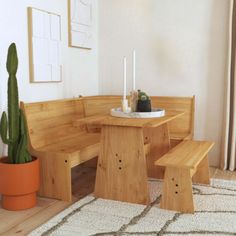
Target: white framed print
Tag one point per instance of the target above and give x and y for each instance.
(80, 23)
(44, 30)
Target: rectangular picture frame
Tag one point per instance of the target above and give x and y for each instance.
(44, 35)
(80, 23)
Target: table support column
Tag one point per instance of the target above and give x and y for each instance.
(121, 171)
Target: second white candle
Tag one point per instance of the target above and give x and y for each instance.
(134, 70)
(124, 92)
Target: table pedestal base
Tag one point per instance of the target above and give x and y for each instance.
(121, 171)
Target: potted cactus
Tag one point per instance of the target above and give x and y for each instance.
(19, 172)
(144, 102)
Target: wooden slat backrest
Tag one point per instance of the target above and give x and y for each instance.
(179, 128)
(183, 125)
(47, 120)
(98, 105)
(51, 121)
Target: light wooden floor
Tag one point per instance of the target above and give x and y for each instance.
(23, 222)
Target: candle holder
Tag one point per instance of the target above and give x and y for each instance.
(125, 105)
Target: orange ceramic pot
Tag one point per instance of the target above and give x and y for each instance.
(19, 184)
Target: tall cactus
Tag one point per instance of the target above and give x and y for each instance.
(13, 130)
(22, 154)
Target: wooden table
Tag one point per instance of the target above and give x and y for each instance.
(123, 168)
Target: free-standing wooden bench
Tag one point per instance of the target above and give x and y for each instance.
(188, 159)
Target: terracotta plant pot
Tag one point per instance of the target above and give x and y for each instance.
(19, 184)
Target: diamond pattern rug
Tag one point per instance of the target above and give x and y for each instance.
(215, 214)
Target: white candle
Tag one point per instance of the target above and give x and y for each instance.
(134, 69)
(124, 92)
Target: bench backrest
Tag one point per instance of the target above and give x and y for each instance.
(51, 121)
(99, 105)
(184, 125)
(180, 127)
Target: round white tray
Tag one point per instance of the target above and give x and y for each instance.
(156, 112)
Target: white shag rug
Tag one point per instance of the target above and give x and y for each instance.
(215, 214)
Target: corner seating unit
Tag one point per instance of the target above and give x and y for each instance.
(60, 137)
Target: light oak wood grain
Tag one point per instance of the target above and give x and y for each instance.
(93, 123)
(182, 127)
(58, 143)
(201, 174)
(142, 122)
(121, 170)
(177, 191)
(185, 161)
(159, 141)
(100, 105)
(123, 156)
(188, 154)
(58, 132)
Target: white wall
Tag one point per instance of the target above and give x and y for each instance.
(79, 65)
(80, 74)
(181, 50)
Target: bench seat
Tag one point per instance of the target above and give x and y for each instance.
(187, 154)
(74, 145)
(187, 160)
(76, 150)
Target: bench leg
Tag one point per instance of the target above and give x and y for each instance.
(202, 175)
(177, 191)
(55, 177)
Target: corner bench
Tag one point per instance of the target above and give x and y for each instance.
(65, 133)
(187, 160)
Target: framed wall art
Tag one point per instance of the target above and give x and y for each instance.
(44, 30)
(80, 23)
